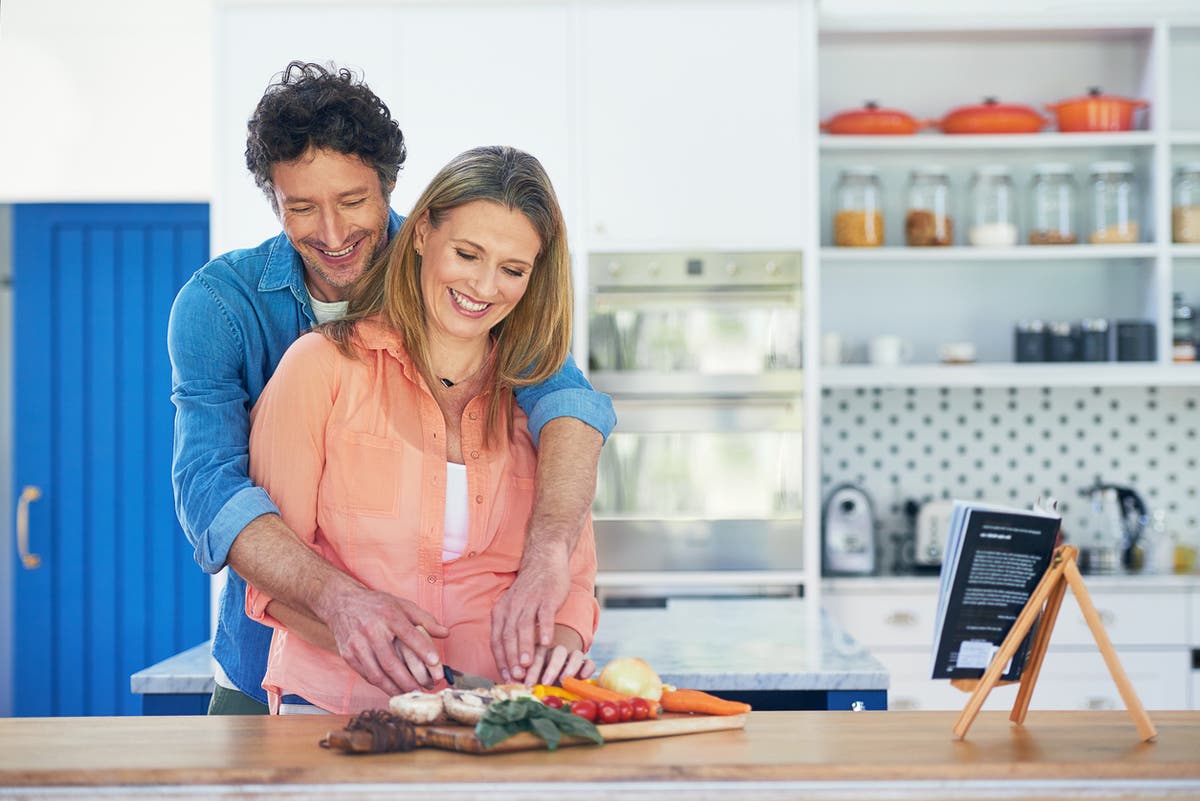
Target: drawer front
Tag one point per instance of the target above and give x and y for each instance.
(889, 621)
(1150, 618)
(1070, 680)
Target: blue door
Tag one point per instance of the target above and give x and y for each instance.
(105, 584)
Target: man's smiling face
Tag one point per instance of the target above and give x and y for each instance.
(333, 211)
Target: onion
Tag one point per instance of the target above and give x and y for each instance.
(631, 676)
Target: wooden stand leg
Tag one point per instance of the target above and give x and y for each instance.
(1009, 647)
(1145, 728)
(1037, 653)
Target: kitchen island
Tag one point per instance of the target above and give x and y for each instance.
(776, 653)
(779, 755)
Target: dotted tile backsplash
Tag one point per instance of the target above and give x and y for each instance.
(1010, 445)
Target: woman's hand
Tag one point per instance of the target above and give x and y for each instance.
(564, 657)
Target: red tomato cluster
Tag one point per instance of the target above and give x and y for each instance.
(604, 711)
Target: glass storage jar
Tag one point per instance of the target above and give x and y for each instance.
(993, 208)
(1052, 205)
(1114, 201)
(858, 209)
(1185, 210)
(928, 222)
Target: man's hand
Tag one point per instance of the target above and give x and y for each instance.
(566, 483)
(386, 640)
(527, 610)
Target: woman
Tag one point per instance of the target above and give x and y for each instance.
(391, 441)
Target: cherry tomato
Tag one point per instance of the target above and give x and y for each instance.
(607, 712)
(625, 708)
(641, 708)
(585, 708)
(553, 701)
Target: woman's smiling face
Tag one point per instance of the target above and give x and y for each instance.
(475, 268)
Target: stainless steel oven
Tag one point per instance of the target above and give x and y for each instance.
(702, 355)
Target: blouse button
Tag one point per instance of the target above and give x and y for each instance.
(469, 555)
(473, 416)
(474, 454)
(432, 579)
(478, 499)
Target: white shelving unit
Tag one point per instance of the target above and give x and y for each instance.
(931, 296)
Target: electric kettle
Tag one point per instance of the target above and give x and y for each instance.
(1125, 516)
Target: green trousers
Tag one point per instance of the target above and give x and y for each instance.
(234, 702)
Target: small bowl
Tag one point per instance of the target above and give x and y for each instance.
(957, 353)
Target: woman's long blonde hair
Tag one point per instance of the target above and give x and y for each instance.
(532, 342)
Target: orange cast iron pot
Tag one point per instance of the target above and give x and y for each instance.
(871, 120)
(1096, 112)
(992, 117)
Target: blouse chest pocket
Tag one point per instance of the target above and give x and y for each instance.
(364, 474)
(511, 517)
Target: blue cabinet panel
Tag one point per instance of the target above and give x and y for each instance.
(117, 588)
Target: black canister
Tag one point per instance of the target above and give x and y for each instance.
(1030, 341)
(1093, 341)
(1060, 343)
(1135, 341)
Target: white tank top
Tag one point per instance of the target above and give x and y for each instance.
(458, 522)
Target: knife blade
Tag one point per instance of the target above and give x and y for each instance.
(465, 681)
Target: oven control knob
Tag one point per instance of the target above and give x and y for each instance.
(652, 268)
(771, 267)
(614, 267)
(731, 268)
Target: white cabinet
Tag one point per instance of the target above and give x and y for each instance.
(697, 124)
(453, 79)
(1150, 628)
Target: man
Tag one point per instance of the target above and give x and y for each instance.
(326, 152)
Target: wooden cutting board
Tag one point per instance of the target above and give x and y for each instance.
(452, 737)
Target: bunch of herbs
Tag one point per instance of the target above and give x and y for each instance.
(503, 719)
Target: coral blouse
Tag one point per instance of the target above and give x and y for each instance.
(353, 451)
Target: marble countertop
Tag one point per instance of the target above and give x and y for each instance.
(722, 644)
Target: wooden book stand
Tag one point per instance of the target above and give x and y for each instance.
(1063, 571)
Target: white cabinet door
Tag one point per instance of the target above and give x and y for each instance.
(695, 130)
(454, 76)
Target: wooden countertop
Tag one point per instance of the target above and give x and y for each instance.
(1057, 754)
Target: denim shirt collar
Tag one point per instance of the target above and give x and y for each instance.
(285, 270)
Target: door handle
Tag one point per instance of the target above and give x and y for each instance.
(31, 561)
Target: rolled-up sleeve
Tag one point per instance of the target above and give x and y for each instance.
(566, 394)
(214, 497)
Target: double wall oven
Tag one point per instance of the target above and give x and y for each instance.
(701, 353)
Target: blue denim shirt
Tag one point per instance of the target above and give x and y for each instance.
(229, 327)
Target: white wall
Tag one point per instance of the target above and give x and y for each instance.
(113, 100)
(106, 101)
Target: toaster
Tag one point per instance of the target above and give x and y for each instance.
(848, 533)
(933, 526)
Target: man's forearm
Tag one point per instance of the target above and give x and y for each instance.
(568, 452)
(269, 556)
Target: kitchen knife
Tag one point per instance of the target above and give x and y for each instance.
(465, 681)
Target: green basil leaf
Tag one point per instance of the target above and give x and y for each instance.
(546, 730)
(491, 733)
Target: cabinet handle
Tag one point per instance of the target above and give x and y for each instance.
(903, 704)
(31, 561)
(901, 619)
(1096, 703)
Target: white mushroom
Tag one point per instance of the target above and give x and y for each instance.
(465, 706)
(417, 707)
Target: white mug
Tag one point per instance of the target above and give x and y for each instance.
(831, 348)
(889, 350)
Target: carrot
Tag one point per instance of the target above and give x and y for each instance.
(594, 692)
(700, 703)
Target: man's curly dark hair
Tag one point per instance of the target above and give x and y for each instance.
(312, 105)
